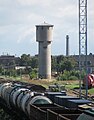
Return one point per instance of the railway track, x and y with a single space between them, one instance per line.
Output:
76 92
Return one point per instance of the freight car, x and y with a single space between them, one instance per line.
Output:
19 97
54 112
90 79
29 102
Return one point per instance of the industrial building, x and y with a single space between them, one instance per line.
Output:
90 62
9 61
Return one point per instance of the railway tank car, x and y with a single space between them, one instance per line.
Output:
19 97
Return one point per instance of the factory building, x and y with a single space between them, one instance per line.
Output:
9 61
90 62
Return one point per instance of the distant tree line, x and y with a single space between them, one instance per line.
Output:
63 67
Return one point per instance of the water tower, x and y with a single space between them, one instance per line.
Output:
44 38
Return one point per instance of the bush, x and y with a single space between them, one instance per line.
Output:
83 73
75 73
64 76
68 75
33 75
73 78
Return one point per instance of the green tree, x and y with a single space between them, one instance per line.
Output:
25 60
67 64
34 62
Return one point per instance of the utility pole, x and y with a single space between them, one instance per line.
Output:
83 38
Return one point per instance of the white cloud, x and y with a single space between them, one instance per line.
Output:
35 18
69 11
27 32
19 17
34 2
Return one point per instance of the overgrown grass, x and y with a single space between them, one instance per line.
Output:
72 86
69 84
91 91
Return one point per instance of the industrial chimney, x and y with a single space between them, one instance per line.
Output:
44 38
67 45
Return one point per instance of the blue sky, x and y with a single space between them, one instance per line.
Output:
19 17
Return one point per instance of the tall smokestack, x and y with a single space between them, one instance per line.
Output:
67 45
